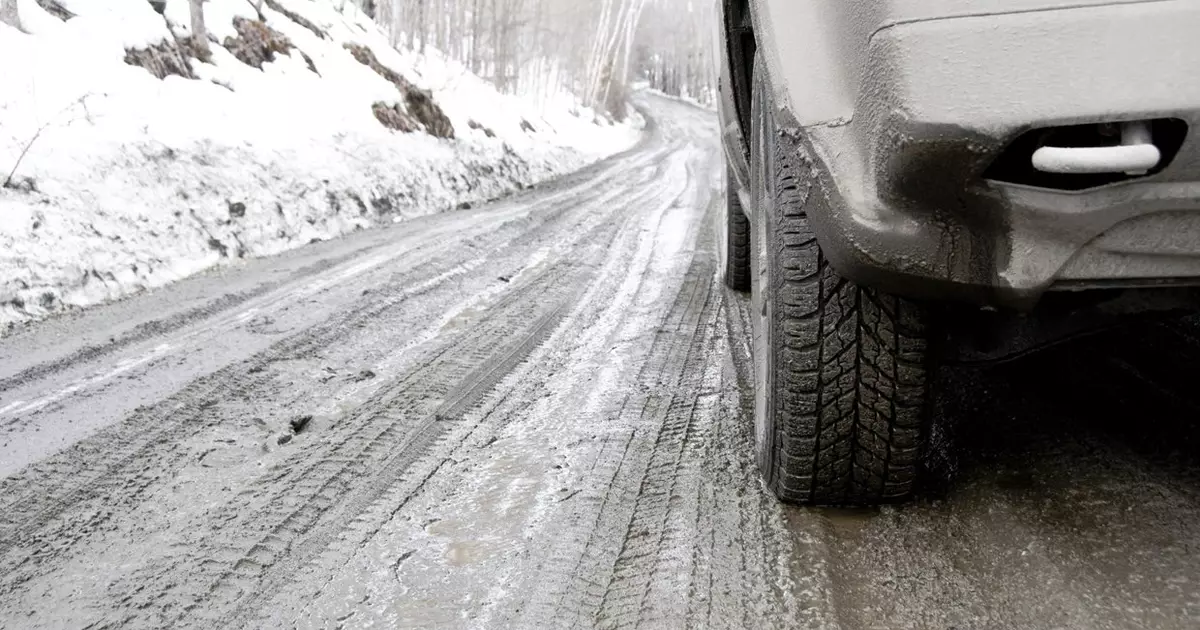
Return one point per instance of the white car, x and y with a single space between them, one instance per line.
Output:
912 180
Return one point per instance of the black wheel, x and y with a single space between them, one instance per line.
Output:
840 370
735 248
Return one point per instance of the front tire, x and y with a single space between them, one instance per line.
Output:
841 371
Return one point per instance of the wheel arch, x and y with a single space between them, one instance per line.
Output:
740 49
737 48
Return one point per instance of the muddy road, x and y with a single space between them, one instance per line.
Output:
534 414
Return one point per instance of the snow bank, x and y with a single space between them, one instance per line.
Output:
133 181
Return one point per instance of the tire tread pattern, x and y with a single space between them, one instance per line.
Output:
848 389
737 245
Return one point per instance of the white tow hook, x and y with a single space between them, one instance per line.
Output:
1135 156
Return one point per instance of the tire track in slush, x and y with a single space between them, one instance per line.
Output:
682 534
524 387
224 562
228 384
96 469
304 505
456 413
599 241
587 570
397 448
248 564
656 546
103 479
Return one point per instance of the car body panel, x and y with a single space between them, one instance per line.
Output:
903 105
734 111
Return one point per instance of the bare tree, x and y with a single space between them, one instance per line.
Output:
78 107
199 31
9 14
675 48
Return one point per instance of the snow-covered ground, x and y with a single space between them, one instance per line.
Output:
704 101
134 181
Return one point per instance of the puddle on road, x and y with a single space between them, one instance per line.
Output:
509 498
460 543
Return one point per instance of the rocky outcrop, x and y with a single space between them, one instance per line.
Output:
297 18
162 60
258 43
390 115
419 103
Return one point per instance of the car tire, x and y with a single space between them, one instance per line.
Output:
841 372
736 237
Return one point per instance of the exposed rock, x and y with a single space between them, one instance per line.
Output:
420 103
218 246
528 126
162 60
309 62
21 183
366 57
422 106
297 18
257 43
57 10
487 132
393 117
299 423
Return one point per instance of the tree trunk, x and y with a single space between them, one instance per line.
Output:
199 32
421 26
9 14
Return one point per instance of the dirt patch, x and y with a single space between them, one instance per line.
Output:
162 60
258 43
419 103
297 18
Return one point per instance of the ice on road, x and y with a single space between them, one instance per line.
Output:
533 414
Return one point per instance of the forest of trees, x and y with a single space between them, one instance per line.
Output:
594 48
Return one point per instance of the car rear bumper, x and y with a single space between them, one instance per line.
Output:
909 207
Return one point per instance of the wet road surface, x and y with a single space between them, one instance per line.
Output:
535 414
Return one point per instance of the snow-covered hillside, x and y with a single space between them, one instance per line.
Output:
127 181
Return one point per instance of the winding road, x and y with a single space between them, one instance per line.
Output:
534 414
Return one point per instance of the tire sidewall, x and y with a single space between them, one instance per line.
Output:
723 230
762 286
